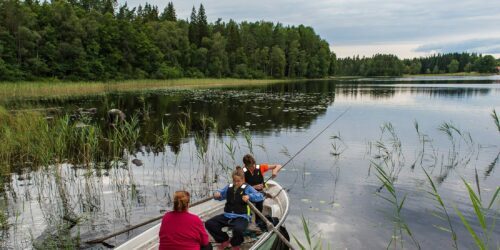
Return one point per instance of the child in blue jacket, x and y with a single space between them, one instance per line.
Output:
236 211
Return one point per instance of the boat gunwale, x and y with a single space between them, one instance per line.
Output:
267 235
262 239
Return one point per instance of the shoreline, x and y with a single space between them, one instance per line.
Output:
414 75
56 88
66 89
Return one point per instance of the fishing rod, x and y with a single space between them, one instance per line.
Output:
102 239
309 143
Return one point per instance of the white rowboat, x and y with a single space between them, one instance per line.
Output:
276 205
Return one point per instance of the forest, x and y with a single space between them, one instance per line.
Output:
94 40
390 65
97 40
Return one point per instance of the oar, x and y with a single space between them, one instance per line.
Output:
102 239
209 198
269 224
314 138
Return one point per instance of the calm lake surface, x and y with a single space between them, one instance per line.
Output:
332 183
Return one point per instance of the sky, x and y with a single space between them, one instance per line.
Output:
406 28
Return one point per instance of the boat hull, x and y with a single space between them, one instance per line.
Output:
276 205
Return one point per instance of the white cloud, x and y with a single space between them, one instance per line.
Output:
350 23
481 45
403 50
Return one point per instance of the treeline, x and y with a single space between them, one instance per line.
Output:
390 65
95 40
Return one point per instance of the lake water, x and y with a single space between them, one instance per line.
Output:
332 183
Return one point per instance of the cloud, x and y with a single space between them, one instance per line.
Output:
359 22
483 45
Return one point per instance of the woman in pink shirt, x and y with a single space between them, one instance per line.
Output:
181 229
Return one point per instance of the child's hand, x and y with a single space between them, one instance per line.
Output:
217 195
245 198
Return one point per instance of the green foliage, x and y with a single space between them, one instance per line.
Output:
91 40
241 71
277 62
485 64
167 72
482 239
416 67
378 65
4 224
30 140
169 13
453 66
202 24
390 65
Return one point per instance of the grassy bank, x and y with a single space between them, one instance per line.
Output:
53 89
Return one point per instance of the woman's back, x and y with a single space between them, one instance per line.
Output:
182 230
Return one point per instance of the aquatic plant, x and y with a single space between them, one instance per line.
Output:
456 156
338 145
230 146
495 119
312 242
71 89
248 139
435 195
4 223
163 138
481 239
397 202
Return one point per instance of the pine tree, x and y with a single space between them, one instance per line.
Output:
193 28
169 13
233 36
109 6
202 24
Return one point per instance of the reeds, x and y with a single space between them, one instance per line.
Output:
338 145
312 242
495 119
429 157
163 138
81 170
481 239
61 89
435 194
397 202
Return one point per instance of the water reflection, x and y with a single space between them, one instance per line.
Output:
261 109
336 191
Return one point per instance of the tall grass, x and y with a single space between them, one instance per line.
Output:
312 242
248 138
163 138
61 89
483 238
30 142
428 157
397 202
434 193
81 170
